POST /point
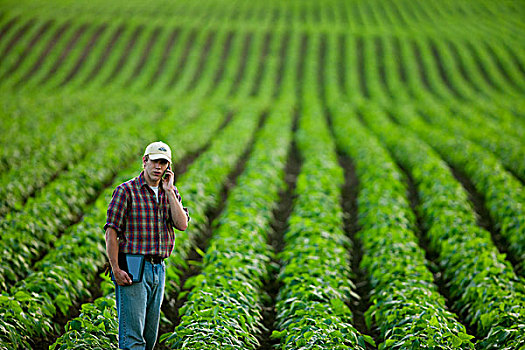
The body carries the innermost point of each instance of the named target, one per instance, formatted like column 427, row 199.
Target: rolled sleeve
column 116, row 213
column 180, row 200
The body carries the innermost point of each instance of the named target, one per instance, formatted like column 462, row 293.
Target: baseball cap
column 158, row 150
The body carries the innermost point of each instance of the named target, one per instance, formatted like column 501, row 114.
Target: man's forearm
column 112, row 248
column 177, row 212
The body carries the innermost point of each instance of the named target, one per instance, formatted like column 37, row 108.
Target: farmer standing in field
column 140, row 221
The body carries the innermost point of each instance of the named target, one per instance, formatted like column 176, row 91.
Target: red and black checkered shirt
column 143, row 225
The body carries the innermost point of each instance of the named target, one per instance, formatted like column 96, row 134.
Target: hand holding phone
column 168, row 178
column 166, row 175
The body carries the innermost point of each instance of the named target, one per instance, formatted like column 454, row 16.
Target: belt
column 154, row 259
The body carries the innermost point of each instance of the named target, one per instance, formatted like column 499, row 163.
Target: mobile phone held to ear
column 166, row 175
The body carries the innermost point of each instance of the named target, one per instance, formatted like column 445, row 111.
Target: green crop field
column 354, row 169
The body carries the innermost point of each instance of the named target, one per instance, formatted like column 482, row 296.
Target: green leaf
column 369, row 340
column 278, row 335
column 75, row 325
column 199, row 251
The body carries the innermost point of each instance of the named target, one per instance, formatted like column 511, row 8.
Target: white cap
column 158, row 150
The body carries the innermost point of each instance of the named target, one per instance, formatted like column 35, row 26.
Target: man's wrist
column 114, row 265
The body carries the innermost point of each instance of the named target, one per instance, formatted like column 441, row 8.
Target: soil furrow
column 85, row 53
column 34, row 40
column 183, row 59
column 224, row 58
column 481, row 67
column 242, row 67
column 103, row 58
column 279, row 226
column 282, row 63
column 360, row 47
column 421, row 67
column 125, row 54
column 443, row 71
column 349, row 203
column 181, row 167
column 501, row 67
column 461, row 65
column 515, row 58
column 167, row 51
column 5, row 29
column 19, row 34
column 484, row 220
column 299, row 86
column 65, row 53
column 341, row 64
column 50, row 45
column 321, row 68
column 351, row 227
column 430, row 255
column 261, row 66
column 380, row 60
column 202, row 61
column 398, row 57
column 145, row 55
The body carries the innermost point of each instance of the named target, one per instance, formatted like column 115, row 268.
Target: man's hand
column 167, row 181
column 122, row 278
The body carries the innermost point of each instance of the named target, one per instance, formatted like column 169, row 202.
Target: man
column 140, row 220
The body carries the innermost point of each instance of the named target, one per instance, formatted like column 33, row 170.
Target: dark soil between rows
column 484, row 220
column 276, row 237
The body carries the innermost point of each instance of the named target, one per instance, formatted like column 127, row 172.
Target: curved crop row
column 405, row 302
column 224, row 307
column 484, row 287
column 136, row 57
column 26, row 47
column 148, row 58
column 508, row 150
column 229, row 72
column 48, row 61
column 312, row 309
column 95, row 328
column 117, row 48
column 502, row 192
column 501, row 118
column 22, row 30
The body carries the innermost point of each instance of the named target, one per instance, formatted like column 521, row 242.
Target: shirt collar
column 141, row 181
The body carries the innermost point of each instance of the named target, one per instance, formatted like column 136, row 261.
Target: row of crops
column 354, row 170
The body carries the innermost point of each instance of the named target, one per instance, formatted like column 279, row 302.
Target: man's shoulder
column 129, row 185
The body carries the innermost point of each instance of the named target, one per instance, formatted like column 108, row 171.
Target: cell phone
column 165, row 175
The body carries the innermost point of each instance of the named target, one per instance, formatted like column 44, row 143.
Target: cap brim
column 159, row 156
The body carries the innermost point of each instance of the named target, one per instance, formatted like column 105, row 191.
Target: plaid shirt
column 143, row 225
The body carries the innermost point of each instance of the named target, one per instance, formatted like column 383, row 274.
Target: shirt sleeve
column 116, row 213
column 183, row 207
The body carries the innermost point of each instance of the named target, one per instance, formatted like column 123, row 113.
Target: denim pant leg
column 138, row 307
column 155, row 298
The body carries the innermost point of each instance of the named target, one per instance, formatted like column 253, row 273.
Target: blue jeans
column 138, row 308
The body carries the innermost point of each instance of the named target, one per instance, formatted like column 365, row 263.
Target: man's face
column 154, row 169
